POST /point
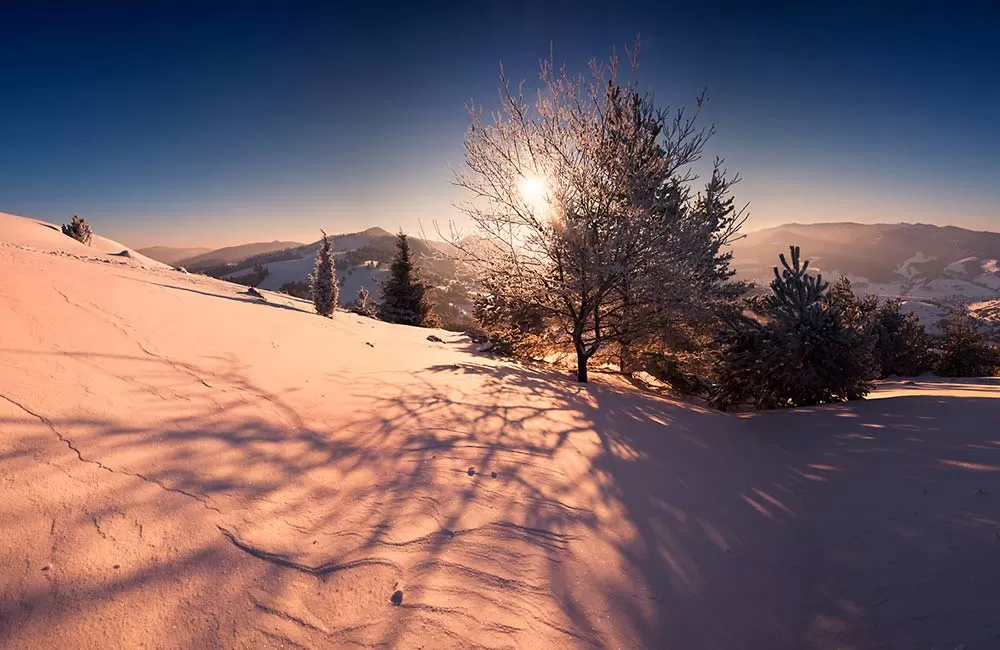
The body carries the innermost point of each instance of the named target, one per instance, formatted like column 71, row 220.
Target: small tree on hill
column 79, row 230
column 404, row 295
column 965, row 351
column 364, row 305
column 323, row 280
column 800, row 352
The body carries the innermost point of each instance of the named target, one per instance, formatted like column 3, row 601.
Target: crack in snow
column 285, row 561
column 69, row 443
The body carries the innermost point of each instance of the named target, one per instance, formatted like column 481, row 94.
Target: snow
column 945, row 288
column 187, row 466
column 48, row 237
column 930, row 314
column 988, row 280
column 906, row 266
column 352, row 279
column 958, row 266
column 280, row 273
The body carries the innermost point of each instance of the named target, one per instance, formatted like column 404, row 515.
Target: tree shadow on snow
column 592, row 517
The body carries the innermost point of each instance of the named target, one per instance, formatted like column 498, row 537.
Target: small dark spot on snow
column 472, row 471
column 46, row 567
column 493, row 474
column 397, row 597
column 117, row 566
column 433, row 338
column 371, row 345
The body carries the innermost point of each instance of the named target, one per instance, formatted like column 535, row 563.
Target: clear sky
column 180, row 124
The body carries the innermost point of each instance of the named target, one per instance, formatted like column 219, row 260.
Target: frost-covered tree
column 583, row 215
column 404, row 294
column 965, row 350
column 798, row 351
column 78, row 229
column 323, row 279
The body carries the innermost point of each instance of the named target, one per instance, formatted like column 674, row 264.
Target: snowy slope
column 352, row 279
column 185, row 466
column 39, row 235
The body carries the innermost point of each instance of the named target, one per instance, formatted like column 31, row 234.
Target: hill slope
column 232, row 254
column 32, row 234
column 185, row 466
column 172, row 255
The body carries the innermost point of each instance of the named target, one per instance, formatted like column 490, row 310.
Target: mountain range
column 933, row 269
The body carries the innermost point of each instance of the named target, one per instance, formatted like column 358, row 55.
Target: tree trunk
column 626, row 359
column 581, row 363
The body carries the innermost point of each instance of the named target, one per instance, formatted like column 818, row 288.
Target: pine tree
column 323, row 279
column 404, row 298
column 965, row 351
column 800, row 353
column 79, row 230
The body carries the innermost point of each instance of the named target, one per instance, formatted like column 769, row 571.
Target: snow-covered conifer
column 323, row 279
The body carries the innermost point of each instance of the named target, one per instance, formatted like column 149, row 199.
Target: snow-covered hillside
column 32, row 234
column 186, row 466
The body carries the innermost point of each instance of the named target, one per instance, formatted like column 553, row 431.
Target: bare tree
column 581, row 210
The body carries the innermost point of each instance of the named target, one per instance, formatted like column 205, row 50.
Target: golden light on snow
column 534, row 191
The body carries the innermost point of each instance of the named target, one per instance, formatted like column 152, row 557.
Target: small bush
column 364, row 305
column 901, row 343
column 298, row 289
column 802, row 350
column 964, row 350
column 254, row 278
column 676, row 372
column 79, row 230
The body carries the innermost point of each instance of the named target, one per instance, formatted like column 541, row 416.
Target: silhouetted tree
column 79, row 230
column 965, row 351
column 404, row 298
column 800, row 352
column 323, row 279
column 901, row 343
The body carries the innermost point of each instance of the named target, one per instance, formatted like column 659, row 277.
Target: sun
column 534, row 191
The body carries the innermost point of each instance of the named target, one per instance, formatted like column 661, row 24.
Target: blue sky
column 178, row 124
